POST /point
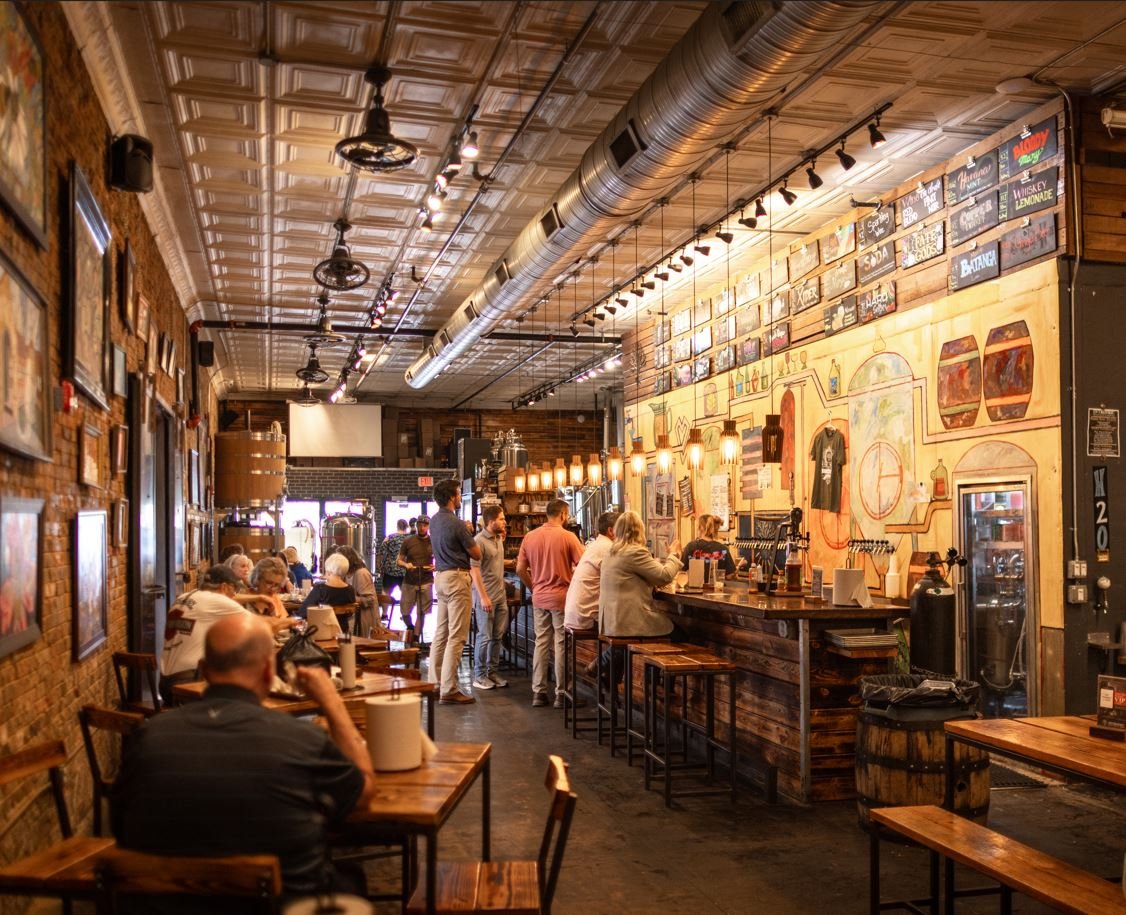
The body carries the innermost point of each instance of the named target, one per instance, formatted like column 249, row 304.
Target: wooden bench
column 1015, row 866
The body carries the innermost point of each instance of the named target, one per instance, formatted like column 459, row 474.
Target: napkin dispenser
column 696, row 573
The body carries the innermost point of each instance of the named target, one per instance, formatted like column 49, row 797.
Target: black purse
column 302, row 651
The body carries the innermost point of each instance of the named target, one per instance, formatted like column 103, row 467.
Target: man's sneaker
column 559, row 701
column 498, row 680
column 539, row 700
column 483, row 683
column 456, row 698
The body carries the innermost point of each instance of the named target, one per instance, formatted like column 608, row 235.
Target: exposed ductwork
column 724, row 70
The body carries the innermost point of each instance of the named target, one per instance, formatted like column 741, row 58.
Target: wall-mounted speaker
column 206, row 353
column 130, row 164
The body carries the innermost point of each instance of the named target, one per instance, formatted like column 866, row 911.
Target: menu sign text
column 1025, row 243
column 921, row 202
column 876, row 302
column 971, row 179
column 921, row 246
column 876, row 226
column 839, row 279
column 1024, row 196
column 1028, row 148
column 877, row 261
column 974, row 219
column 982, row 263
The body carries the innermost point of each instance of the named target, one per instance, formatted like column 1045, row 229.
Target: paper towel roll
column 847, row 583
column 324, row 618
column 392, row 732
column 348, row 663
column 343, row 903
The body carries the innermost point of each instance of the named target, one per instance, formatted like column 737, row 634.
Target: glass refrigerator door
column 995, row 534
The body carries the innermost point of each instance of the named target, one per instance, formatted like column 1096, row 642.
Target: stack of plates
column 861, row 638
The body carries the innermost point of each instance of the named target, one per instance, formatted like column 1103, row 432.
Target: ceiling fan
column 324, row 332
column 311, row 372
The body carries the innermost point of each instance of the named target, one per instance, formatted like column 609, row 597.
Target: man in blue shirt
column 453, row 548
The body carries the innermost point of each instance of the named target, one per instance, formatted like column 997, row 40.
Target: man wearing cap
column 191, row 616
column 416, row 558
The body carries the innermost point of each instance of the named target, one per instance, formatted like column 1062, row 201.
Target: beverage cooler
column 997, row 615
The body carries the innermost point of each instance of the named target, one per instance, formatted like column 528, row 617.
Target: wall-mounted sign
column 779, row 306
column 927, row 243
column 682, row 321
column 876, row 302
column 702, row 368
column 983, row 263
column 749, row 288
column 661, row 332
column 920, row 203
column 838, row 280
column 972, row 178
column 425, row 482
column 803, row 260
column 875, row 262
column 702, row 341
column 1111, row 711
column 974, row 219
column 778, row 274
column 840, row 316
column 686, row 504
column 1028, row 242
column 682, row 349
column 805, row 295
column 682, row 375
column 876, row 226
column 725, row 358
column 1024, row 196
column 748, row 319
column 662, row 383
column 1101, row 514
column 779, row 337
column 749, row 351
column 840, row 243
column 1028, row 148
column 1102, row 433
column 723, row 331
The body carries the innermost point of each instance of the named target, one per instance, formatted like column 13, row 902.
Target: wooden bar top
column 737, row 597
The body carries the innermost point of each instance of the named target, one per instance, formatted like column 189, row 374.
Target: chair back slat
column 90, row 719
column 145, row 666
column 124, row 872
column 557, row 829
column 46, row 757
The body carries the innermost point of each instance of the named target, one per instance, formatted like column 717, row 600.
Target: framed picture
column 89, row 587
column 126, row 288
column 87, row 343
column 25, row 388
column 195, row 542
column 193, row 476
column 119, row 449
column 120, row 375
column 151, row 354
column 21, row 541
column 143, row 312
column 23, row 130
column 121, row 522
column 89, row 448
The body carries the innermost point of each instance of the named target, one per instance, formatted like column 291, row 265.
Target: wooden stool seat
column 570, row 686
column 606, row 690
column 645, row 649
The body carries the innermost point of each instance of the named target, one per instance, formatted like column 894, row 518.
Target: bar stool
column 661, row 673
column 571, row 638
column 643, row 649
column 608, row 705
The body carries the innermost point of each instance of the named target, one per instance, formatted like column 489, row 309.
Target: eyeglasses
column 273, row 584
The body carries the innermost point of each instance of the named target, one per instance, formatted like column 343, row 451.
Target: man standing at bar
column 416, row 558
column 490, row 602
column 453, row 547
column 547, row 557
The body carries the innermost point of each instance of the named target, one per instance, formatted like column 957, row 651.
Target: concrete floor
column 628, row 853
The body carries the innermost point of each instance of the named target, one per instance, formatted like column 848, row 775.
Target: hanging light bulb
column 815, row 180
column 435, row 199
column 664, row 453
column 560, row 473
column 519, row 480
column 786, row 194
column 845, row 159
column 695, row 449
column 545, row 477
column 637, row 458
column 875, row 138
column 614, row 464
column 594, row 470
column 729, row 444
column 469, row 148
column 772, row 436
column 576, row 470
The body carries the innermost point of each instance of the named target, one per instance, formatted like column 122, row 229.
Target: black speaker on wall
column 206, row 353
column 130, row 164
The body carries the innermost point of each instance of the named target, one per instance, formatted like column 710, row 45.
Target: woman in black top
column 334, row 590
column 706, row 545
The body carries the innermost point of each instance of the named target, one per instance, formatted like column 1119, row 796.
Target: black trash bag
column 302, row 651
column 918, row 691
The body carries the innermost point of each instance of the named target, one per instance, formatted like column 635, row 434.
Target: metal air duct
column 724, row 70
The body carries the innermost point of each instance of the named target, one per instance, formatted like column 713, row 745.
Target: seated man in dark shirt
column 225, row 776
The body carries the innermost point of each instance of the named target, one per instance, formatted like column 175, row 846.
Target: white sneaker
column 498, row 680
column 483, row 683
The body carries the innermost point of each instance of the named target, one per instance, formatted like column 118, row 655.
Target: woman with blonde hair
column 241, row 565
column 705, row 544
column 268, row 579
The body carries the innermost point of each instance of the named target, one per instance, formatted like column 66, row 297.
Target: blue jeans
column 490, row 630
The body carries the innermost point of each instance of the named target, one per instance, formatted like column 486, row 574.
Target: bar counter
column 797, row 696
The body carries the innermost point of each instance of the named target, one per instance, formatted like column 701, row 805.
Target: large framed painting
column 21, row 542
column 87, row 342
column 89, row 586
column 23, row 123
column 25, row 390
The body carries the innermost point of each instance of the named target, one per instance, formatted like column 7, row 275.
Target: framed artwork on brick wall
column 21, row 538
column 89, row 584
column 87, row 340
column 127, row 287
column 23, row 129
column 25, row 389
column 89, row 455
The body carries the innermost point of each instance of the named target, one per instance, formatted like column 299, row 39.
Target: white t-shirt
column 188, row 621
column 581, row 609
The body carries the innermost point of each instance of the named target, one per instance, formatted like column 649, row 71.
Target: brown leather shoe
column 457, row 698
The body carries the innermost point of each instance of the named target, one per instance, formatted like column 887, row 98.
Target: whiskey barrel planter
column 901, row 755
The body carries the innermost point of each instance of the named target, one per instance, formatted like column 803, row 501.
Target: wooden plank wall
column 1102, row 179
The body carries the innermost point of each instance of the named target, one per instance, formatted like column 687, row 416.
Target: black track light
column 786, row 194
column 725, row 237
column 815, row 180
column 702, row 250
column 599, row 316
column 427, row 223
column 649, row 284
column 676, row 268
column 760, row 210
column 846, row 160
column 638, row 291
column 588, row 321
column 747, row 222
column 686, row 259
column 662, row 275
column 574, row 330
column 610, row 309
column 621, row 300
column 876, row 138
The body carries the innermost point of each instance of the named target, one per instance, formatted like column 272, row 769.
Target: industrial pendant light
column 576, row 470
column 614, row 464
column 664, row 453
column 695, row 449
column 377, row 149
column 594, row 470
column 311, row 372
column 772, row 436
column 729, row 444
column 637, row 458
column 545, row 477
column 341, row 271
column 772, row 431
column 560, row 473
column 519, row 480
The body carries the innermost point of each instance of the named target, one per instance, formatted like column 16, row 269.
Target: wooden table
column 420, row 801
column 367, row 685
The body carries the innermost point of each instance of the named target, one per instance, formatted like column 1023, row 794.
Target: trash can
column 901, row 748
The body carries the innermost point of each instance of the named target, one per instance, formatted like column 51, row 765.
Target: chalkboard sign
column 662, row 383
column 840, row 316
column 662, row 355
column 805, row 295
column 779, row 337
column 1029, row 242
column 749, row 288
column 749, row 351
column 748, row 319
column 972, row 178
column 875, row 262
column 838, row 280
column 778, row 274
column 723, row 331
column 682, row 375
column 974, row 219
column 682, row 349
column 661, row 332
column 876, row 226
column 702, row 341
column 779, row 306
column 682, row 322
column 983, row 263
column 840, row 243
column 921, row 202
column 725, row 358
column 687, row 507
column 1028, row 148
column 1024, row 196
column 722, row 302
column 876, row 302
column 1111, row 710
column 921, row 246
column 802, row 261
column 703, row 368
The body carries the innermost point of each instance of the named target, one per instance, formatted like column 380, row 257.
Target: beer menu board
column 840, row 316
column 779, row 337
column 971, row 179
column 1028, row 148
column 921, row 246
column 974, row 219
column 876, row 226
column 875, row 262
column 802, row 261
column 840, row 243
column 876, row 302
column 1026, row 243
column 748, row 318
column 1027, row 195
column 922, row 202
column 983, row 263
column 749, row 351
column 805, row 295
column 839, row 279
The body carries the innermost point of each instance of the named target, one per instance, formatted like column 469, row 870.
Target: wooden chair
column 143, row 668
column 65, row 869
column 133, row 873
column 511, row 887
column 396, row 662
column 95, row 718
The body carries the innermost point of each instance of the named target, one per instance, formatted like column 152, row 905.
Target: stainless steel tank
column 513, row 454
column 348, row 529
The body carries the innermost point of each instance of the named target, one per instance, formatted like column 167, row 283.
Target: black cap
column 422, row 519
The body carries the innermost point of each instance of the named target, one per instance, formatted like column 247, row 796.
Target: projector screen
column 336, row 430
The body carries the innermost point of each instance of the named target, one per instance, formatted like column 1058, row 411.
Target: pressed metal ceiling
column 246, row 101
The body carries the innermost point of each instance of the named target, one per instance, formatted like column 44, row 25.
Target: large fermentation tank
column 348, row 529
column 513, row 453
column 249, row 469
column 257, row 542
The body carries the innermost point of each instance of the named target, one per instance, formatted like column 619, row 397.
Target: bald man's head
column 237, row 649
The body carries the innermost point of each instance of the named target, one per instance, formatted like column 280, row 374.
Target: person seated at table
column 581, row 609
column 225, row 776
column 334, row 590
column 231, row 549
column 625, row 599
column 366, row 589
column 267, row 582
column 706, row 544
column 241, row 565
column 191, row 616
column 298, row 571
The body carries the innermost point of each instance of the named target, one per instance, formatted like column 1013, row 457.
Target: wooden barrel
column 903, row 763
column 959, row 382
column 1007, row 368
column 249, row 469
column 256, row 542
